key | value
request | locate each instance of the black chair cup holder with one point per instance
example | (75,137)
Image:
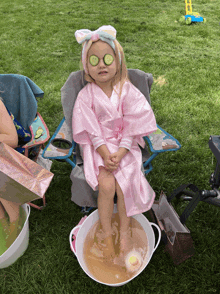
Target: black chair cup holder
(61,143)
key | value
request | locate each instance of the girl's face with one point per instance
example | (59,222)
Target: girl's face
(101,63)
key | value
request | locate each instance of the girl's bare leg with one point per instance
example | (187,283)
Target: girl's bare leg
(125,234)
(105,207)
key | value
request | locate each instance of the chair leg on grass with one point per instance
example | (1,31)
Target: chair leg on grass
(38,207)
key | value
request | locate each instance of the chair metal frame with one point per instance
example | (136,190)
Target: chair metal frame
(70,150)
(193,194)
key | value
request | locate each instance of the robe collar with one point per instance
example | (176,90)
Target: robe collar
(100,95)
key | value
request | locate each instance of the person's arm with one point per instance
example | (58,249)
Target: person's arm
(122,151)
(126,142)
(105,154)
(8,133)
(117,156)
(96,141)
(124,147)
(103,151)
(101,148)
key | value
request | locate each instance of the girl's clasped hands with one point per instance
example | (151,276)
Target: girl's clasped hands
(112,161)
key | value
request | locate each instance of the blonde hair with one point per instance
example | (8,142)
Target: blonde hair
(121,69)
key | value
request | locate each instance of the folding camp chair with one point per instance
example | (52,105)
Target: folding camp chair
(19,95)
(193,194)
(62,147)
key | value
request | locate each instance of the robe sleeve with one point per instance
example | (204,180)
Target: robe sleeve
(138,116)
(126,142)
(84,123)
(96,141)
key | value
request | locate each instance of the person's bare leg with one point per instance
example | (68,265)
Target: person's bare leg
(125,234)
(105,207)
(12,209)
(2,211)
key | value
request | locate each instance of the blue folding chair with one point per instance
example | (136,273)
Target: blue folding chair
(62,147)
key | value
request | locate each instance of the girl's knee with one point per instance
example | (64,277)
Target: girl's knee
(106,183)
(107,186)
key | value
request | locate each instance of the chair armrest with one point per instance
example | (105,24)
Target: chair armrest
(161,141)
(61,145)
(39,131)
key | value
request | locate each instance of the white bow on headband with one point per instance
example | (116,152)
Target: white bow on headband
(104,33)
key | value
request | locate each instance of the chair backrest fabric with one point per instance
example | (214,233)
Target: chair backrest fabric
(76,82)
(19,95)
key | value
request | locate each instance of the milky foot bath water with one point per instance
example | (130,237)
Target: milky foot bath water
(122,266)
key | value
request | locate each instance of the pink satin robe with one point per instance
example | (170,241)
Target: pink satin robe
(95,114)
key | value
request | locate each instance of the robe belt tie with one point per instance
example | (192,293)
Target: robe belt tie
(117,133)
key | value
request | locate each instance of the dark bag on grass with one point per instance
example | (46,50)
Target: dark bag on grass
(175,235)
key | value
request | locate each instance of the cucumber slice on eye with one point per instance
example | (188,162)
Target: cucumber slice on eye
(108,59)
(94,60)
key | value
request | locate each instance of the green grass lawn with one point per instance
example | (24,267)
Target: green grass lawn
(37,40)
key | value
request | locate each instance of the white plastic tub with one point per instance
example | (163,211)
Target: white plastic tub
(20,244)
(80,233)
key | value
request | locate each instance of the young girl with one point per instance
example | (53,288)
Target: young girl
(110,117)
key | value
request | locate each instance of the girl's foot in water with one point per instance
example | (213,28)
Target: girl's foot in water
(108,248)
(105,244)
(125,242)
(125,247)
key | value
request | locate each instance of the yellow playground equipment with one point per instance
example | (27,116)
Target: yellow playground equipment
(190,15)
(188,6)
